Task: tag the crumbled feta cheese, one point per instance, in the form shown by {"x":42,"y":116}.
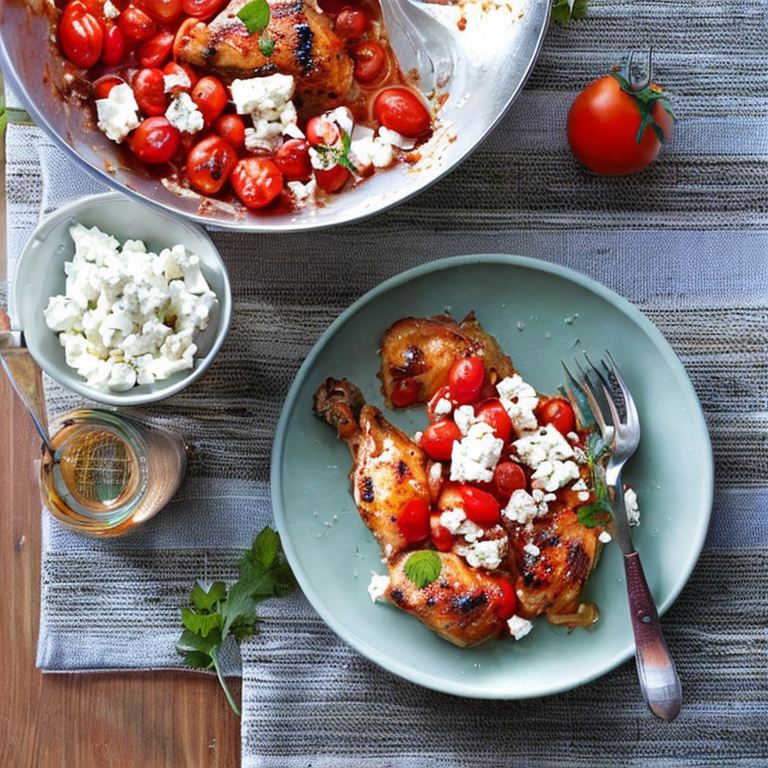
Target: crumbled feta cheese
{"x":545,"y":444}
{"x":110,"y":10}
{"x":464,"y":416}
{"x":118,"y":114}
{"x":604,"y":537}
{"x":523,"y":507}
{"x":520,"y":400}
{"x":474,"y":457}
{"x":519,"y":627}
{"x":553,"y":475}
{"x":268,"y":101}
{"x":455,"y":520}
{"x":531,"y":549}
{"x":303,"y":192}
{"x":178,"y":81}
{"x":371,"y":152}
{"x":443,"y":407}
{"x":378,"y":587}
{"x":396,"y":139}
{"x":484,"y":554}
{"x":129,"y":316}
{"x":183,"y":113}
{"x":633,"y":510}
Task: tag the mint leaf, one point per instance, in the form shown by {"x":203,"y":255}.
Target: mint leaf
{"x":266,"y":45}
{"x":255,"y":15}
{"x":565,"y":10}
{"x":423,"y":567}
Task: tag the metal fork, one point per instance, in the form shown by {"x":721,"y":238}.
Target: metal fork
{"x":619,"y":426}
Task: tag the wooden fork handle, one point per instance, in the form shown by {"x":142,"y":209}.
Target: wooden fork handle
{"x":656,"y":669}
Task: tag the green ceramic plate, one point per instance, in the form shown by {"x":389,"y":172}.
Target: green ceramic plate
{"x":541,"y":314}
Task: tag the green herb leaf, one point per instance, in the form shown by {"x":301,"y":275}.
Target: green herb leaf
{"x":217,"y":613}
{"x":565,"y":10}
{"x":266,"y":45}
{"x":255,"y":15}
{"x":423,"y":567}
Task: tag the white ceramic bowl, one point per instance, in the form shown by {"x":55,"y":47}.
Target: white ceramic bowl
{"x":40,"y":275}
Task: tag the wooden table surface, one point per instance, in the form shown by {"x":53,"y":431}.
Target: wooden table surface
{"x":105,"y":720}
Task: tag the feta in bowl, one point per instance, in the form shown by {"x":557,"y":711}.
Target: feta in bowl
{"x":120,"y":303}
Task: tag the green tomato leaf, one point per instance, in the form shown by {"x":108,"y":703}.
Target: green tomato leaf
{"x":423,"y":567}
{"x":255,"y":15}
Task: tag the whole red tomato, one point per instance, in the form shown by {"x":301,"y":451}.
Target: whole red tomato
{"x":604,"y":126}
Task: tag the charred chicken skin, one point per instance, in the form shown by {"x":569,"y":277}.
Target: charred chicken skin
{"x":417,"y":355}
{"x":305,"y":46}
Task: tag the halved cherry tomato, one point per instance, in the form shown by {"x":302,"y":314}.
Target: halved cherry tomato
{"x":321,"y":132}
{"x":149,"y":91}
{"x":183,"y":73}
{"x":351,"y":22}
{"x":441,"y":537}
{"x":163,"y":11}
{"x":210,"y":95}
{"x":231,"y":128}
{"x":155,"y":141}
{"x":480,"y":506}
{"x":202,"y":9}
{"x":80,"y":34}
{"x":209,"y":164}
{"x":405,"y":392}
{"x":506,"y":602}
{"x":113,"y":49}
{"x":136,"y":24}
{"x":155,"y":51}
{"x":493,"y":413}
{"x":401,"y":110}
{"x":370,"y":58}
{"x":292,"y":158}
{"x":438,"y":439}
{"x":508,"y":477}
{"x":465,"y":379}
{"x":558,"y":412}
{"x":105,"y":84}
{"x":332,"y":179}
{"x":413,"y":520}
{"x":257,"y":181}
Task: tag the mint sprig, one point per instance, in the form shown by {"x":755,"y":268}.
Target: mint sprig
{"x":217,"y":613}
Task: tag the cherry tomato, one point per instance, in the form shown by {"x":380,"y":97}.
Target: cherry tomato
{"x":441,"y":537}
{"x":438,"y":439}
{"x":149,"y":91}
{"x":506,"y":603}
{"x":155,"y":51}
{"x":292,"y":158}
{"x":183,"y":73}
{"x":210,"y":95}
{"x":558,"y":412}
{"x":401,"y":110}
{"x":351,"y":22}
{"x":508,"y":477}
{"x":231,"y":128}
{"x":113,"y":49}
{"x":209,"y":164}
{"x":80,"y":34}
{"x":136,"y":24}
{"x":370,"y":58}
{"x":202,"y":9}
{"x":105,"y":84}
{"x":155,"y":140}
{"x":332,"y":179}
{"x":405,"y":392}
{"x":465,"y":379}
{"x":493,"y":413}
{"x":480,"y":506}
{"x":413,"y":520}
{"x":257,"y":181}
{"x":321,"y":132}
{"x":163,"y":11}
{"x":603,"y":124}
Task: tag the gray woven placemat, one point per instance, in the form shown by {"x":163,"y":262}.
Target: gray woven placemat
{"x":686,"y":241}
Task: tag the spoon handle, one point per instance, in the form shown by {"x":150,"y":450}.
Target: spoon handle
{"x":659,"y":681}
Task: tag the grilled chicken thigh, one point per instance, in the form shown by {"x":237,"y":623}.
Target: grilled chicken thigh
{"x":417,"y":354}
{"x":305,"y":46}
{"x":462,"y":605}
{"x":389,"y":468}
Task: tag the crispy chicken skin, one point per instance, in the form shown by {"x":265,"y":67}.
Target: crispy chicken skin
{"x":419,"y":352}
{"x":551,"y":583}
{"x":461,"y":605}
{"x":389,"y":468}
{"x":305,"y":47}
